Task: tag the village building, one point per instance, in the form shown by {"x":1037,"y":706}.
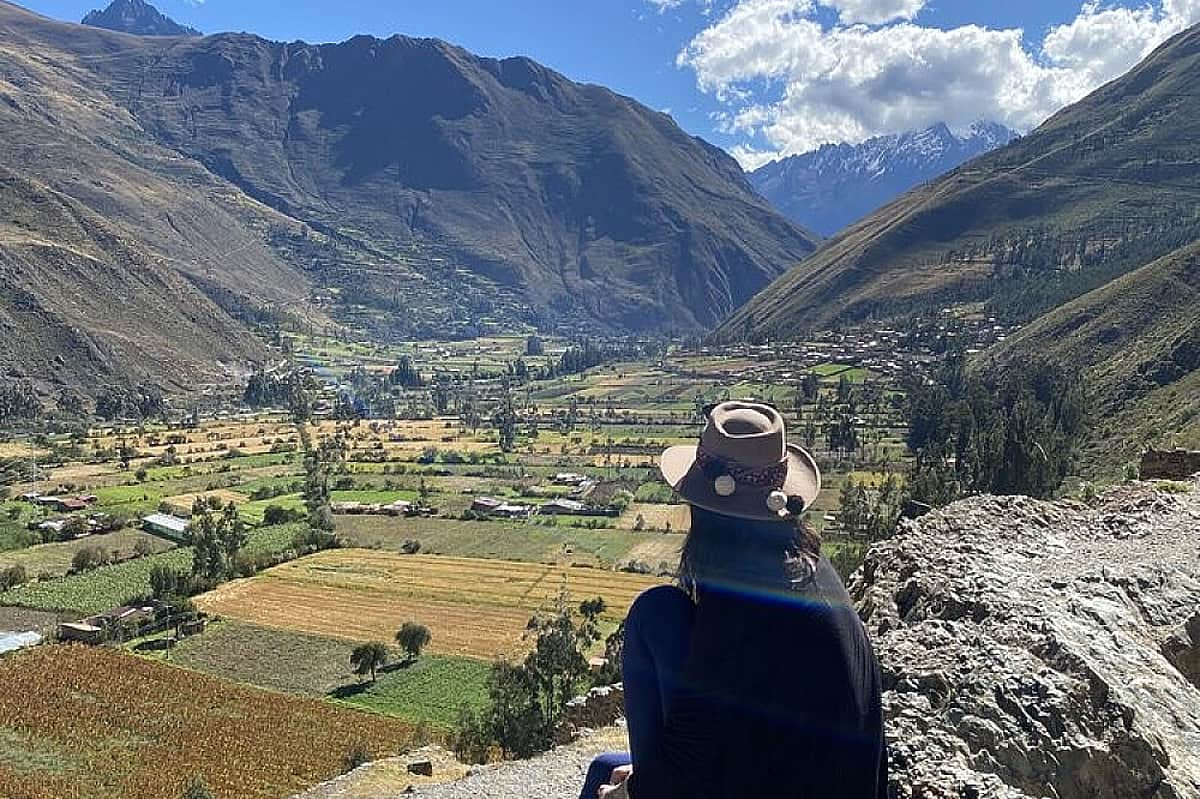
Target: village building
{"x":165,"y":524}
{"x":569,"y":507}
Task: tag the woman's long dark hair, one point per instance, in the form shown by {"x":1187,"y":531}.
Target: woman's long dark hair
{"x":725,"y":549}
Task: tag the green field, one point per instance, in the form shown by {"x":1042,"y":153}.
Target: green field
{"x":55,"y":559}
{"x":430,"y":690}
{"x":111,"y":586}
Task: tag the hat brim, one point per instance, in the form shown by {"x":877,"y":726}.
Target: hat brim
{"x":680,"y":470}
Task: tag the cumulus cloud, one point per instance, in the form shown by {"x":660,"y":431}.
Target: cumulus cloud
{"x":788,"y":83}
{"x":874,"y":12}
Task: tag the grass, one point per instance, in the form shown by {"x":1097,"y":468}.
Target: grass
{"x":111,"y":586}
{"x":474,"y":608}
{"x":493,"y":539}
{"x":431,"y":690}
{"x":55,"y":559}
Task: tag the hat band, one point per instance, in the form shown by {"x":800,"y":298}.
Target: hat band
{"x":772,"y":476}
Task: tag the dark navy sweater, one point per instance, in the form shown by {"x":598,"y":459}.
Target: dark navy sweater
{"x":780,"y":700}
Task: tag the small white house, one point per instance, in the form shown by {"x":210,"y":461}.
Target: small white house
{"x":165,"y":524}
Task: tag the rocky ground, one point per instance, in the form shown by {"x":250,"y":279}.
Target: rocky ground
{"x":557,"y":775}
{"x":1036,"y":649}
{"x":1030,"y":649}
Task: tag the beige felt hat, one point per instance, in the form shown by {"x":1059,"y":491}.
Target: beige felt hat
{"x":744,"y":466}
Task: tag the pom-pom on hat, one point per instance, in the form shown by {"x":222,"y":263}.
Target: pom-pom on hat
{"x":744,"y":466}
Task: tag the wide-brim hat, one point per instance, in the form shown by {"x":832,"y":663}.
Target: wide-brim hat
{"x":744,"y":466}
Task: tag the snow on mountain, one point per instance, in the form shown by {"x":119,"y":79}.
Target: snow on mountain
{"x":829,"y":188}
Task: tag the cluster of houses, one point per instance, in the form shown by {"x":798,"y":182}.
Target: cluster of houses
{"x":883,"y":350}
{"x":398,"y":508}
{"x":61,"y":504}
{"x":74,"y":505}
{"x":572,"y":505}
{"x":128,"y":621}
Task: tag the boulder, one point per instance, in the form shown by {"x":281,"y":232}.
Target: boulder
{"x":423,"y":767}
{"x":1041,"y":649}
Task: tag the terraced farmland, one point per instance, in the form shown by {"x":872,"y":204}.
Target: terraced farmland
{"x":475,"y":608}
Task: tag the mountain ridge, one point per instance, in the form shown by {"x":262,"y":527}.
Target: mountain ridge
{"x":838,"y":184}
{"x":445,"y":195}
{"x":137,"y":17}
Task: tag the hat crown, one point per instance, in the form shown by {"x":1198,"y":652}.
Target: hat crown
{"x":747,"y":433}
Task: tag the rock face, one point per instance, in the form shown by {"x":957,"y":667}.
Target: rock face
{"x":1036,"y":649}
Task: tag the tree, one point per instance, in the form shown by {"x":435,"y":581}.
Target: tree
{"x":166,"y":582}
{"x":505,"y":421}
{"x":368,"y":658}
{"x":412,"y":638}
{"x":89,"y":558}
{"x":12,"y":577}
{"x":528,"y":700}
{"x":197,"y":790}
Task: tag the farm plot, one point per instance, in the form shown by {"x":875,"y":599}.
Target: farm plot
{"x":94,"y":723}
{"x":55,"y":559}
{"x":110,"y":586}
{"x":493,"y":539}
{"x":475,"y":608}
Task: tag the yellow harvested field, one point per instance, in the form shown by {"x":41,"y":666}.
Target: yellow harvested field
{"x":662,"y":549}
{"x":477,"y":608}
{"x":17,"y":449}
{"x":185,"y":501}
{"x":656,"y":516}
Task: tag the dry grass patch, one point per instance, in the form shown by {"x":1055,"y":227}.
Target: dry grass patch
{"x":656,"y":516}
{"x":476,"y":608}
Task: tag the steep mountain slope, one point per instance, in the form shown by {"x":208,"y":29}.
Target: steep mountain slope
{"x":137,"y":17}
{"x":471,"y":188}
{"x":1101,"y":188}
{"x":572,"y":201}
{"x":1141,"y":336}
{"x":404,"y":187}
{"x":106,"y":236}
{"x":829,"y":188}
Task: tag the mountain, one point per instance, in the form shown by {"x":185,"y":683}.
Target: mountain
{"x":1037,"y":232}
{"x":827,"y":189}
{"x":1101,"y":188}
{"x":400,"y":188}
{"x":1140,"y":335}
{"x":137,"y":17}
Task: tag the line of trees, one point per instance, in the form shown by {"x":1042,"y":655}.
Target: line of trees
{"x":1014,"y":430}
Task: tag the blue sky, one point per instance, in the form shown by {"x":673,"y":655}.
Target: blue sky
{"x":763,"y":78}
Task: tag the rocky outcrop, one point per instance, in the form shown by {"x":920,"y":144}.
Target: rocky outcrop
{"x":598,"y":708}
{"x":1037,"y":649}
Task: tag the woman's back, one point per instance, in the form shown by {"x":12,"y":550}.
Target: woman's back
{"x":779,"y":697}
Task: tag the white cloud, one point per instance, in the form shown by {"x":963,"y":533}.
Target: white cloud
{"x":790,"y":84}
{"x":875,"y":12}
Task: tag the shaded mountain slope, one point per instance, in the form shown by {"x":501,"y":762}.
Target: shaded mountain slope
{"x":1140,"y":334}
{"x":1101,"y":188}
{"x":137,"y":17}
{"x":574,"y":202}
{"x":106,"y":234}
{"x":832,"y":187}
{"x":450,"y":189}
{"x":402,"y":187}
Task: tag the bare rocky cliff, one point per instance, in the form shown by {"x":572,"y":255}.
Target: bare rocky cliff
{"x":1037,"y":649}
